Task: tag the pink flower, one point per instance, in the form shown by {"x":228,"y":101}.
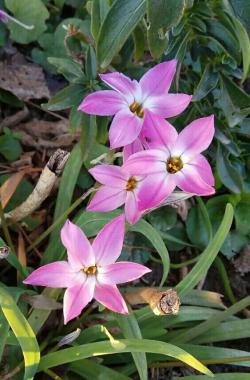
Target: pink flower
{"x":119,"y":187}
{"x":175,"y":160}
{"x":134,"y":147}
{"x":91,"y":271}
{"x":129,"y":99}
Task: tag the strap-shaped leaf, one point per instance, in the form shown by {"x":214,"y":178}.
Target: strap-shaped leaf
{"x":154,"y":237}
{"x":131,"y":329}
{"x":23,"y":333}
{"x":208,"y":255}
{"x":118,"y":24}
{"x":72,"y":354}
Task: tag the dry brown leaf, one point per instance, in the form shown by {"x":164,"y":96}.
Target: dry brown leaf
{"x":44,"y":129}
{"x":26,"y":80}
{"x":9,"y":187}
{"x":11,"y":121}
{"x":24,"y":162}
{"x":41,"y":134}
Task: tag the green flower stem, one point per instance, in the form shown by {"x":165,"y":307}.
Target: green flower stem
{"x":60,"y":219}
{"x":184,"y":263}
{"x":5,"y":229}
{"x":177,"y":265}
{"x":224,"y":277}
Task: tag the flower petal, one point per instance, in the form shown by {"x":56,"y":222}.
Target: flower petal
{"x":134,"y":147}
{"x":124,"y":129}
{"x":121,"y":272}
{"x":132,"y":212}
{"x":203,"y":168}
{"x":78,"y":247}
{"x":54,"y":275}
{"x":155,"y":189}
{"x":103,"y":103}
{"x":157,"y":132}
{"x":168,"y":105}
{"x":111,"y":298}
{"x":107,"y":199}
{"x":124,"y":85}
{"x":158,"y":79}
{"x":195,"y":138}
{"x":110,"y":175}
{"x":147,"y":162}
{"x":77,"y":297}
{"x":108,"y":243}
{"x":188,"y":179}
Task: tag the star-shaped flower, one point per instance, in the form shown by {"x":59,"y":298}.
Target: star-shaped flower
{"x":91,"y":270}
{"x":119,"y":186}
{"x":173,"y":160}
{"x":129,"y":99}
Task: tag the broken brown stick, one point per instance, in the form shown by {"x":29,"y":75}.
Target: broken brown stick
{"x":161,"y":303}
{"x":43,"y":187}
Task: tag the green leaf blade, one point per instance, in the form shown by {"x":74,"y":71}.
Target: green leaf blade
{"x":118,"y":24}
{"x":23,"y":333}
{"x":131,"y":329}
{"x":69,"y":355}
{"x":154,"y":237}
{"x":208,"y":255}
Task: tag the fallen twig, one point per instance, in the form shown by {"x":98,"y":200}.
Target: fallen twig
{"x":43,"y":187}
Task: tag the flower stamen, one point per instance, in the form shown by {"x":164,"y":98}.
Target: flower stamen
{"x":174,"y":165}
{"x":137,"y":109}
{"x":131,"y":184}
{"x":90,"y":270}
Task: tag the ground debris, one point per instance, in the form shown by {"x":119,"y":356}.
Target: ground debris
{"x":40,"y":134}
{"x":25,"y":80}
{"x":242,"y":263}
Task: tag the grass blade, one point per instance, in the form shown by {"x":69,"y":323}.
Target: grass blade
{"x":131,"y":329}
{"x":212,"y":322}
{"x":219,"y":376}
{"x":90,"y":370}
{"x":23,"y":333}
{"x":208,"y":255}
{"x":72,"y":354}
{"x":154,"y":237}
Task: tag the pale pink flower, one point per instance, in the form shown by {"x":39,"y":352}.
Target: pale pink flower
{"x":134,"y":147}
{"x":173,"y":160}
{"x":119,"y":187}
{"x":91,"y":270}
{"x":129,"y":99}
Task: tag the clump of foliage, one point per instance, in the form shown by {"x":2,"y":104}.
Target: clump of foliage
{"x":79,"y":40}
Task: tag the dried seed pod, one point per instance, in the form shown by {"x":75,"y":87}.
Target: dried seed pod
{"x":169,"y":302}
{"x":4,"y":252}
{"x":161,"y":303}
